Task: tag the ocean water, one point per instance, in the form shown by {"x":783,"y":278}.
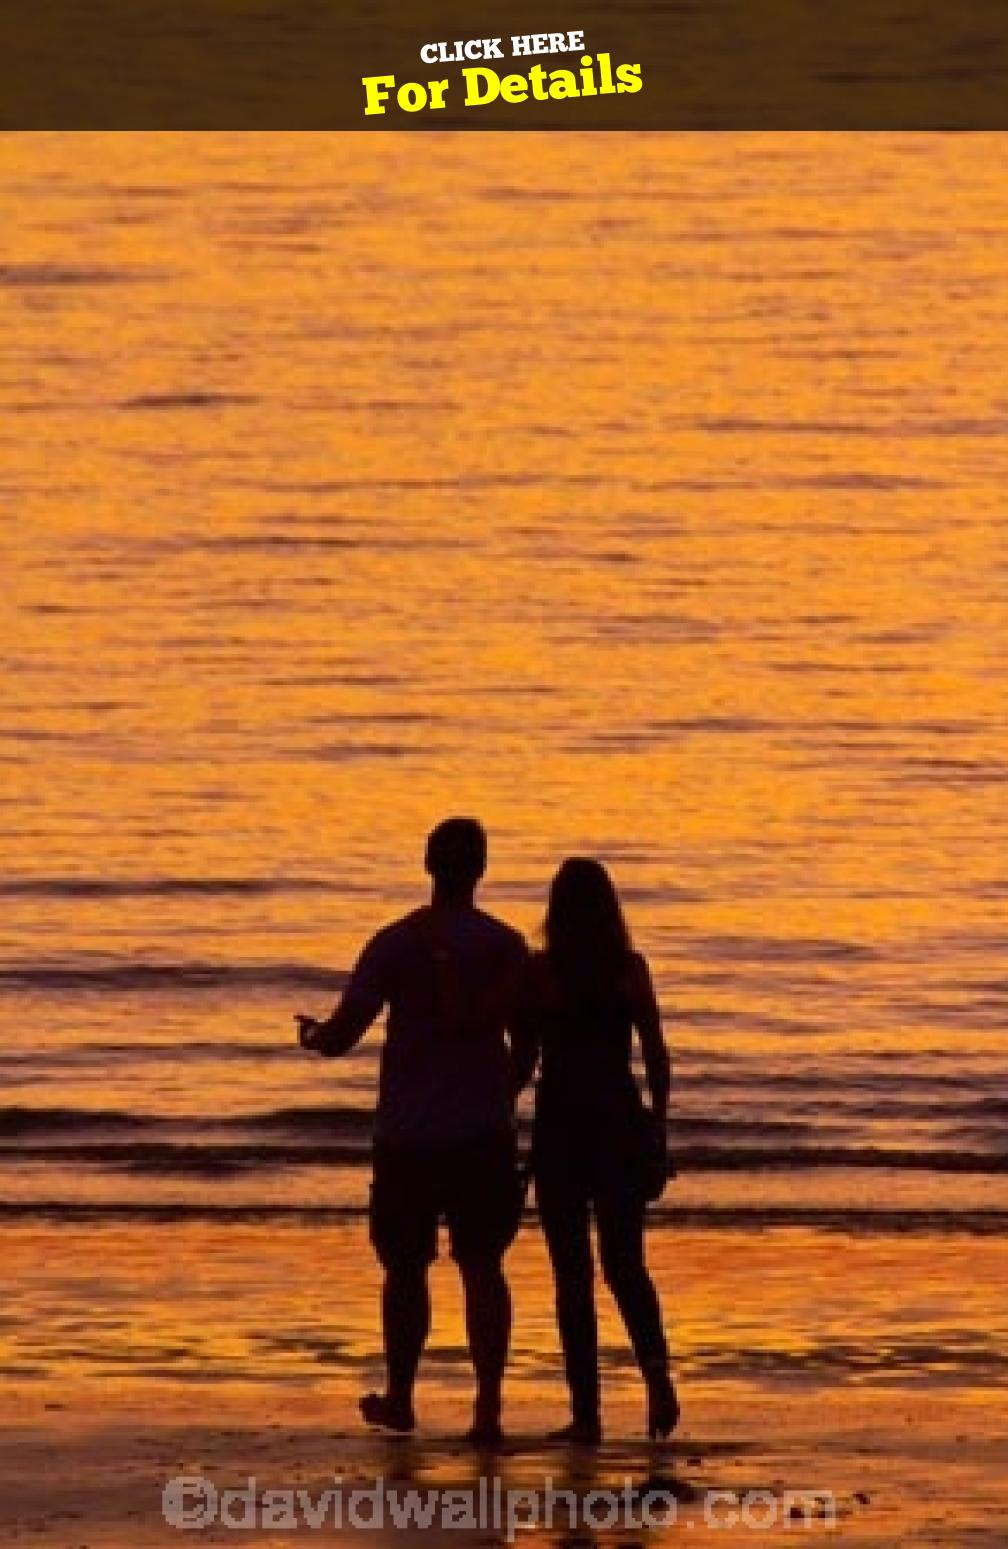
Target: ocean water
{"x":643,"y":495}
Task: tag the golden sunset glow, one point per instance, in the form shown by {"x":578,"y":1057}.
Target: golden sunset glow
{"x":641,"y":494}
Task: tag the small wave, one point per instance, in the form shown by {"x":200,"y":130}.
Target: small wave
{"x":159,"y":887}
{"x":296,"y":546}
{"x":848,"y":1222}
{"x":947,"y":772}
{"x":179,"y":1052}
{"x":729,"y":724}
{"x":179,"y":1159}
{"x":335,"y":1120}
{"x":466,"y":479}
{"x":881,"y":1158}
{"x":854,"y":1221}
{"x":348,"y":752}
{"x":196,"y":399}
{"x":312,"y":1137}
{"x":711,"y":1126}
{"x":855,"y":480}
{"x":964,"y":1359}
{"x":53,"y":276}
{"x":189,"y":977}
{"x":985,"y":1107}
{"x":323,"y":1118}
{"x":17,"y":1121}
{"x":859,"y":1074}
{"x":874,"y":430}
{"x":779,"y":949}
{"x":509,"y":191}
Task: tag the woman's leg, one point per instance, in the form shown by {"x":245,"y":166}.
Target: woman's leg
{"x":563,"y":1211}
{"x":620,"y":1219}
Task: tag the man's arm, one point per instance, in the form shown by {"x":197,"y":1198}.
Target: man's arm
{"x":647,"y":1017}
{"x":361,"y":1002}
{"x":524,"y":1042}
{"x":522,"y":1025}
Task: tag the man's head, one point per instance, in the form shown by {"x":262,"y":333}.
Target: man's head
{"x":456,"y":856}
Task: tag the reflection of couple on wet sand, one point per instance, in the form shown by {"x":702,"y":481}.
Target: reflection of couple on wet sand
{"x":471,"y":1016}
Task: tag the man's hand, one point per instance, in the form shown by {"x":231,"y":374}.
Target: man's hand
{"x":309,"y":1032}
{"x":660,"y":1140}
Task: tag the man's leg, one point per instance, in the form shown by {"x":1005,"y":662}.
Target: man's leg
{"x":404,"y":1235}
{"x":406,"y":1314}
{"x":488,"y":1325}
{"x":483,"y":1201}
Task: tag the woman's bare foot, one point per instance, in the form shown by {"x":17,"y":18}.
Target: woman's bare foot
{"x":391,"y":1414}
{"x":662,"y":1404}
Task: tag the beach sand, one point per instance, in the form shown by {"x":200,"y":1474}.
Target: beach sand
{"x":152,"y":1336}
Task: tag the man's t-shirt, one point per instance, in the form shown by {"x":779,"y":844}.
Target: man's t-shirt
{"x":445,"y":1072}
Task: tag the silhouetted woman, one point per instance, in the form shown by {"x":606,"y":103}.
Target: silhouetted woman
{"x":596,"y":1148}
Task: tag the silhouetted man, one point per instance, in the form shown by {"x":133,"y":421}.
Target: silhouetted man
{"x":444,"y":1136}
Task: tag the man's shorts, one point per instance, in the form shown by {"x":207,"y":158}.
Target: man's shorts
{"x":473,"y":1186}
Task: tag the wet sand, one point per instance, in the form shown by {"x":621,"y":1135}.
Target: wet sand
{"x":901,"y":1469}
{"x":908,"y":1456}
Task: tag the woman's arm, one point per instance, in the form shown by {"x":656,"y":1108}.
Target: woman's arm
{"x":647,"y":1020}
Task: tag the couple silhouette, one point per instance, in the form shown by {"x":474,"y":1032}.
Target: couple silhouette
{"x":472,"y":1016}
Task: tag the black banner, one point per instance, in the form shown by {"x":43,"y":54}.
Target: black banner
{"x":559,"y":64}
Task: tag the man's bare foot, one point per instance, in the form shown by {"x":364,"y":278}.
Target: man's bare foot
{"x":390,"y":1414}
{"x":579,"y":1433}
{"x":485,"y":1433}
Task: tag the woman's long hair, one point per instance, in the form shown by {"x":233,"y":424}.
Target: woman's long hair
{"x":585,"y":934}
